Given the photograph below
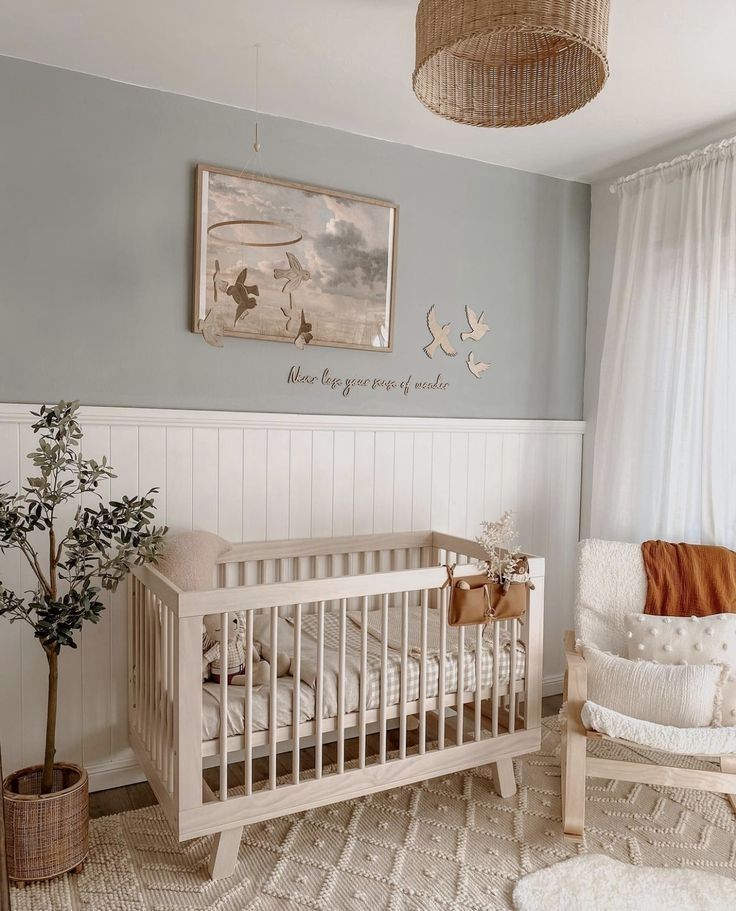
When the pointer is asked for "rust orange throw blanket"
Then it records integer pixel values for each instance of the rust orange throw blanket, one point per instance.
(689, 580)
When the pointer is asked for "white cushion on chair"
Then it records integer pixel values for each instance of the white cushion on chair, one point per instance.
(611, 584)
(686, 697)
(675, 640)
(669, 739)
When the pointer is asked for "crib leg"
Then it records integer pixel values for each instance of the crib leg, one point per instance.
(224, 854)
(503, 777)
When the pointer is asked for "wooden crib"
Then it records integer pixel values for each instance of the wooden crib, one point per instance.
(361, 588)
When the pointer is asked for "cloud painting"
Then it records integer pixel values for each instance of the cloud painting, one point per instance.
(274, 258)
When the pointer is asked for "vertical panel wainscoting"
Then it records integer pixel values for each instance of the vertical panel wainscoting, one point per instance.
(252, 477)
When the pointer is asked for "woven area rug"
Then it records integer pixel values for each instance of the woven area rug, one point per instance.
(442, 845)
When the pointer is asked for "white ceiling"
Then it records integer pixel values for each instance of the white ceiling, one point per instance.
(347, 64)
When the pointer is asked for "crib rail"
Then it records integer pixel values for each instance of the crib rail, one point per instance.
(153, 662)
(380, 691)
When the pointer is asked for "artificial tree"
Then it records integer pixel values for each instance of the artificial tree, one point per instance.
(93, 553)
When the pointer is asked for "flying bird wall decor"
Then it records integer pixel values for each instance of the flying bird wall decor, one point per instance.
(477, 327)
(476, 368)
(440, 336)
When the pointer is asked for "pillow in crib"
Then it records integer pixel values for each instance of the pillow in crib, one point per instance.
(677, 695)
(189, 559)
(695, 640)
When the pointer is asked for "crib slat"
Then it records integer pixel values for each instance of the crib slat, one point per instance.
(273, 694)
(460, 691)
(157, 719)
(444, 597)
(341, 689)
(149, 671)
(163, 693)
(297, 688)
(404, 671)
(138, 608)
(223, 704)
(320, 688)
(423, 675)
(514, 631)
(248, 711)
(496, 678)
(143, 703)
(478, 678)
(384, 668)
(363, 677)
(172, 692)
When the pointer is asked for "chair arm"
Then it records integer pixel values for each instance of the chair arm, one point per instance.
(576, 671)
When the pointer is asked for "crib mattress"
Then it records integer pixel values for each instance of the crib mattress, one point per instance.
(260, 697)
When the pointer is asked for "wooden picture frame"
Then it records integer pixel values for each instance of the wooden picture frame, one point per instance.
(281, 261)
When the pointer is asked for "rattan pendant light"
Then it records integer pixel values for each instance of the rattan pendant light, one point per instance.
(509, 63)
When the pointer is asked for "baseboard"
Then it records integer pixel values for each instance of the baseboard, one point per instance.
(116, 774)
(121, 772)
(552, 686)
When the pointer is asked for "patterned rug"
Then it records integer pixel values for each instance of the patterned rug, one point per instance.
(441, 845)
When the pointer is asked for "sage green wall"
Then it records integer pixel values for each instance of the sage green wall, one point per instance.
(96, 216)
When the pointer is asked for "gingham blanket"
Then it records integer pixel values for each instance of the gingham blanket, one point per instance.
(351, 680)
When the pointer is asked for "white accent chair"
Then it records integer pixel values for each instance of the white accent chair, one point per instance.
(611, 583)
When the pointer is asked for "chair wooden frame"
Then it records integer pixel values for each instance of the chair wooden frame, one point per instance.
(577, 766)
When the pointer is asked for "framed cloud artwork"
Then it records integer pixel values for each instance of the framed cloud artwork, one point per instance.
(285, 262)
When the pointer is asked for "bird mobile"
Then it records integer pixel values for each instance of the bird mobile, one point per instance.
(244, 296)
(273, 257)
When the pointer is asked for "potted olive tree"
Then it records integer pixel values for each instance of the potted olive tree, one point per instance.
(46, 806)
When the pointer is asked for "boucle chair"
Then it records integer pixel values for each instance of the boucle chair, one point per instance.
(611, 584)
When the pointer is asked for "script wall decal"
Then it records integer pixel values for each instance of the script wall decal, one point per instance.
(347, 384)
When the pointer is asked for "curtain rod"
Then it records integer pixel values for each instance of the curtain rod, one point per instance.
(722, 145)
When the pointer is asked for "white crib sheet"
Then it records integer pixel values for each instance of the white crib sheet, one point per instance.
(261, 694)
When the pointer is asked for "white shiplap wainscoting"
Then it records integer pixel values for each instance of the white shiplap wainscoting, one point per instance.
(252, 477)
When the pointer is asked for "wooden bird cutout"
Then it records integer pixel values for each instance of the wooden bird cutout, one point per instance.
(294, 275)
(243, 295)
(476, 369)
(293, 320)
(440, 336)
(217, 281)
(380, 340)
(212, 327)
(477, 326)
(304, 336)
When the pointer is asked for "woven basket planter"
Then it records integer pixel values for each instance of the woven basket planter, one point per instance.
(46, 835)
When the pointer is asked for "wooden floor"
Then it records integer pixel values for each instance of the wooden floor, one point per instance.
(135, 796)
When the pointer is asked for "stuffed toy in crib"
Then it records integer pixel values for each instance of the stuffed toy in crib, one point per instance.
(211, 653)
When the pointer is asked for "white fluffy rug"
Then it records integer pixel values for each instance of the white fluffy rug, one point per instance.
(449, 844)
(594, 882)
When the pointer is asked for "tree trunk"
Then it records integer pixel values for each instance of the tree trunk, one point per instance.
(47, 781)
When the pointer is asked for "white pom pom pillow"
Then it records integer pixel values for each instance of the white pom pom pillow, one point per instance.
(677, 695)
(691, 641)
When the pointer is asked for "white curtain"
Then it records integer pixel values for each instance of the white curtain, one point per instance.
(664, 463)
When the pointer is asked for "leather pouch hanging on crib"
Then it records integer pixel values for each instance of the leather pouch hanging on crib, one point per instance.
(475, 599)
